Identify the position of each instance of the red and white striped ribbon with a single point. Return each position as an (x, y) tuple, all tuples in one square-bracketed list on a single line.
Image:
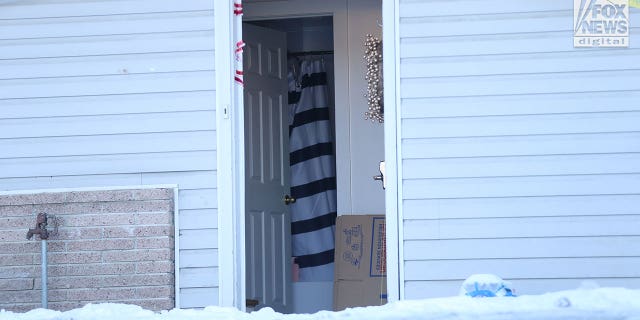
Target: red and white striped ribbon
[(238, 50), (237, 7), (239, 77)]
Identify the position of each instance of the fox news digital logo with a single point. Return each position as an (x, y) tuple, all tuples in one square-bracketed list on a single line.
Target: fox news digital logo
[(601, 23)]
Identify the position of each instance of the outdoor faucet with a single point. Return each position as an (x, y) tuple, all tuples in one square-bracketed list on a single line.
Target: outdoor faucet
[(41, 227)]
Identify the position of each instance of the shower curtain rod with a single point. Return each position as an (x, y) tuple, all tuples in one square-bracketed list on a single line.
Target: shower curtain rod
[(309, 53)]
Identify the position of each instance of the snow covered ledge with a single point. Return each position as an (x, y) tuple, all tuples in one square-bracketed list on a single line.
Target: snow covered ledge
[(602, 303)]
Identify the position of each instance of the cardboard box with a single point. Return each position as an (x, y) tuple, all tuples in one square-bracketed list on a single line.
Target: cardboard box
[(360, 263)]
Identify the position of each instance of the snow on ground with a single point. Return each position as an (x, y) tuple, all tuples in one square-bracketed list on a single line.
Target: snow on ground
[(601, 303)]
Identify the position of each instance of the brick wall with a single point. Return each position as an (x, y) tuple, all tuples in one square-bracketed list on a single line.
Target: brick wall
[(110, 246)]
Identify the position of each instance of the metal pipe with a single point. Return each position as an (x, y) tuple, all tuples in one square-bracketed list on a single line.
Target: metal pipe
[(44, 274), (41, 229)]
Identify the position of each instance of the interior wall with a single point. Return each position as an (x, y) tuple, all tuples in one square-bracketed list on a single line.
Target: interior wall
[(366, 142), (311, 36)]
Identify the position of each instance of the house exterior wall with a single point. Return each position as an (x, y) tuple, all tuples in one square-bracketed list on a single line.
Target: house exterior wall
[(103, 246), (519, 153), (96, 94)]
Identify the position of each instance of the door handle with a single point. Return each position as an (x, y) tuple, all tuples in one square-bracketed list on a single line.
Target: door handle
[(381, 176), (289, 199)]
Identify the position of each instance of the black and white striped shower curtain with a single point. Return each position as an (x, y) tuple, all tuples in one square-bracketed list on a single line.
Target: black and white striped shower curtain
[(313, 173)]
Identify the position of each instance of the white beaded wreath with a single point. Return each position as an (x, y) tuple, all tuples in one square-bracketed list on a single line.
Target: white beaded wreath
[(373, 59)]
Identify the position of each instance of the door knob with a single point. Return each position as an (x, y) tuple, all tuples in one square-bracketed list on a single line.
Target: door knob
[(289, 200)]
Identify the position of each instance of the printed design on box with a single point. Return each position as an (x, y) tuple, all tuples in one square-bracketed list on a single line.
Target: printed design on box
[(378, 263), (360, 274), (354, 241)]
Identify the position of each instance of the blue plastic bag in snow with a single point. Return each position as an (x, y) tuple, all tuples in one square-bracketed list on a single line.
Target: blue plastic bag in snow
[(486, 285)]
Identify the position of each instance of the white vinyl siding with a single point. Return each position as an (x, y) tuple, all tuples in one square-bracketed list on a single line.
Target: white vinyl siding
[(520, 154), (116, 93)]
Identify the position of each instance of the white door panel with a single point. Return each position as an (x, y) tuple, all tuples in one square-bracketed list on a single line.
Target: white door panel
[(268, 223)]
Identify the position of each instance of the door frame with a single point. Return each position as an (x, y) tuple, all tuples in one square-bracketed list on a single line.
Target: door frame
[(392, 148), (230, 129)]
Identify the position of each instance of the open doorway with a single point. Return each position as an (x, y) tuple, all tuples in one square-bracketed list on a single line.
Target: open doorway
[(357, 144), (290, 163)]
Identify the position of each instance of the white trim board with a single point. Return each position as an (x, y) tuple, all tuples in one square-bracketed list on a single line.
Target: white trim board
[(176, 246), (228, 205), (392, 145)]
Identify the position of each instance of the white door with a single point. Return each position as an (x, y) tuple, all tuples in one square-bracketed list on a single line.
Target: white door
[(267, 220)]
